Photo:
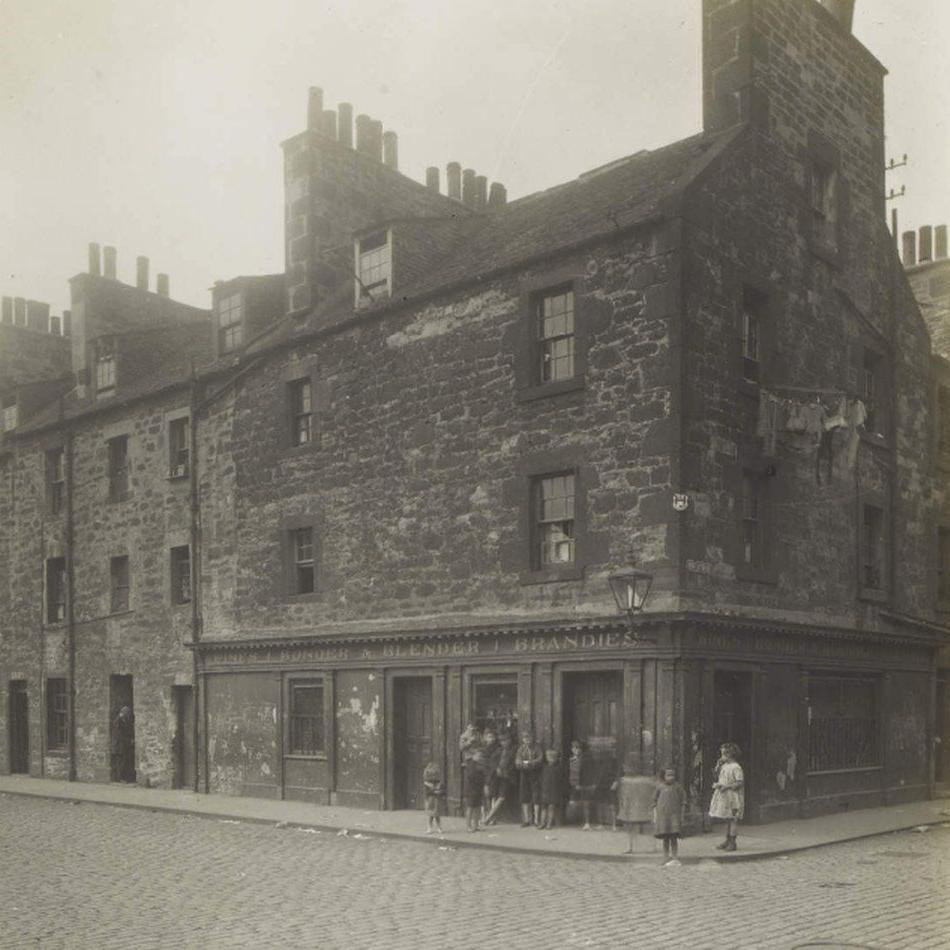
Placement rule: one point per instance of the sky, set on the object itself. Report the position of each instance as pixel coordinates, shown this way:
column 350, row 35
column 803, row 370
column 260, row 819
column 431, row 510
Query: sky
column 155, row 127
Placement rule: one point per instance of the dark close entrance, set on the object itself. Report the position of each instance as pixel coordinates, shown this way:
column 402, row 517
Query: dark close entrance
column 412, row 739
column 732, row 720
column 19, row 727
column 593, row 713
column 183, row 743
column 121, row 729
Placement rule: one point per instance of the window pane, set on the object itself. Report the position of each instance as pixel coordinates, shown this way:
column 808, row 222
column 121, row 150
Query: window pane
column 306, row 718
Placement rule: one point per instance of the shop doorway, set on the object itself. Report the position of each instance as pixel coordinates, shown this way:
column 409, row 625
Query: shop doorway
column 412, row 738
column 732, row 718
column 19, row 724
column 183, row 744
column 593, row 713
column 121, row 729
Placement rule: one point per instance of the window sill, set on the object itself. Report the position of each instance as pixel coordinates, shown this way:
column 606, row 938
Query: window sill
column 874, row 595
column 54, row 624
column 303, row 598
column 299, row 756
column 552, row 575
column 178, row 605
column 757, row 575
column 179, row 478
column 860, row 768
column 301, row 449
column 118, row 613
column 544, row 390
column 58, row 753
column 117, row 501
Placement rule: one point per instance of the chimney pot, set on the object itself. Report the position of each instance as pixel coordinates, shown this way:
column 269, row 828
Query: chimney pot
column 19, row 311
column 453, row 180
column 108, row 262
column 940, row 242
column 481, row 192
column 468, row 187
column 345, row 124
column 909, row 248
column 7, row 305
column 67, row 322
column 95, row 266
column 328, row 124
column 432, row 179
column 391, row 149
column 925, row 244
column 497, row 195
column 161, row 285
column 141, row 273
column 315, row 108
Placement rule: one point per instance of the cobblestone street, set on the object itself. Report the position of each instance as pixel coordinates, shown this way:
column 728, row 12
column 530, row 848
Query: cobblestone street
column 86, row 876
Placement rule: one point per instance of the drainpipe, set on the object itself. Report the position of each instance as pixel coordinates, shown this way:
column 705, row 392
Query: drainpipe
column 194, row 565
column 70, row 598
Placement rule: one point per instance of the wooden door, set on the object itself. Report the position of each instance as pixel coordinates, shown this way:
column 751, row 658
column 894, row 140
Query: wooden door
column 184, row 742
column 412, row 739
column 19, row 727
column 593, row 713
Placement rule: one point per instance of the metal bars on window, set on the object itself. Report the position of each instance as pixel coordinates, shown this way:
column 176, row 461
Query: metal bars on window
column 306, row 718
column 842, row 723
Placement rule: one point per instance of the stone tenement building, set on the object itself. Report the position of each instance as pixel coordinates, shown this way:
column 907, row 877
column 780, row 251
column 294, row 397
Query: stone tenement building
column 312, row 535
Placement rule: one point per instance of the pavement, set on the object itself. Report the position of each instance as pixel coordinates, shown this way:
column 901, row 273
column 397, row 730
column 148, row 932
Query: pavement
column 773, row 840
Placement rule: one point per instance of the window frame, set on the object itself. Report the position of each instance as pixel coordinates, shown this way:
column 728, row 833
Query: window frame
column 753, row 327
column 541, row 524
column 301, row 682
column 57, row 714
column 366, row 290
column 826, row 219
column 56, row 593
column 230, row 328
column 55, row 479
column 300, row 410
column 179, row 573
column 118, row 474
column 179, row 446
column 875, row 756
column 105, row 366
column 543, row 360
column 879, row 562
column 120, row 584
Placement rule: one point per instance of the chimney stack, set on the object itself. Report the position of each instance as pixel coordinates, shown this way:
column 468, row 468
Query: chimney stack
column 841, row 10
column 95, row 267
column 453, row 180
column 940, row 242
column 161, row 285
column 19, row 311
column 67, row 322
column 344, row 122
column 925, row 244
column 376, row 138
column 55, row 326
column 432, row 179
column 468, row 187
column 364, row 132
column 315, row 108
column 909, row 248
column 141, row 273
column 497, row 195
column 108, row 262
column 481, row 192
column 328, row 124
column 37, row 316
column 391, row 150
column 7, row 313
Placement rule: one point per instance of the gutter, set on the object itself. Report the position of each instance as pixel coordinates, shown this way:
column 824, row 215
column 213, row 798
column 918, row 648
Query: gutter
column 69, row 545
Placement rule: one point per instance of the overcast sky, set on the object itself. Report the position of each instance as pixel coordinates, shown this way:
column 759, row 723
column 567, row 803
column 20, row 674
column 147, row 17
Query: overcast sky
column 155, row 127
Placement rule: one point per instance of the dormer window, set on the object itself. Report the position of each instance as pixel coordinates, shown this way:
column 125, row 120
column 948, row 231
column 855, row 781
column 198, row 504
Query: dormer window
column 10, row 416
column 105, row 367
column 373, row 267
column 230, row 323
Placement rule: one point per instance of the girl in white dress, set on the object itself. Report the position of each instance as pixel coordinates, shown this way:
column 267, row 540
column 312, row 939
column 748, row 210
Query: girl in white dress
column 728, row 797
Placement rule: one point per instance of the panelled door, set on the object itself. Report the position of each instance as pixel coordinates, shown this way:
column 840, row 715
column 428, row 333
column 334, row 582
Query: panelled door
column 412, row 738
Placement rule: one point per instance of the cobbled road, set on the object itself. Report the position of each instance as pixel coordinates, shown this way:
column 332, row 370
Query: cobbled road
column 90, row 876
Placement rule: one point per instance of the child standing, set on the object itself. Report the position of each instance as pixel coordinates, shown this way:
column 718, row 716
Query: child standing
column 474, row 786
column 668, row 815
column 434, row 793
column 728, row 797
column 635, row 802
column 528, row 760
column 551, row 791
column 580, row 793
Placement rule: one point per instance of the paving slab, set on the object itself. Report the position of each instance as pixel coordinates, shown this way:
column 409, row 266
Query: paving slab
column 772, row 840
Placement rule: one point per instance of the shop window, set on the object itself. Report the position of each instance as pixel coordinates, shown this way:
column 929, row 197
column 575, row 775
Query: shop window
column 57, row 714
column 105, row 366
column 554, row 520
column 872, row 548
column 55, row 589
column 842, row 723
column 943, row 567
column 230, row 323
column 307, row 733
column 119, row 584
column 301, row 412
column 374, row 267
column 118, row 468
column 55, row 480
column 495, row 704
column 10, row 414
column 554, row 315
column 180, row 573
column 304, row 569
column 179, row 446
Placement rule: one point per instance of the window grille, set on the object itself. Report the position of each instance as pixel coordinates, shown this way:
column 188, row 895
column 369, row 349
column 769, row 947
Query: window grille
column 842, row 723
column 307, row 732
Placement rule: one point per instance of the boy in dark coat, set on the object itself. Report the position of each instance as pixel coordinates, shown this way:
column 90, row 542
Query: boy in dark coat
column 551, row 788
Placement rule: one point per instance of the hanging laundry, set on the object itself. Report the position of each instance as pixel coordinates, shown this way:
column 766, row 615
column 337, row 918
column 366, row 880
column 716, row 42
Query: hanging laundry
column 797, row 420
column 856, row 416
column 814, row 420
column 835, row 416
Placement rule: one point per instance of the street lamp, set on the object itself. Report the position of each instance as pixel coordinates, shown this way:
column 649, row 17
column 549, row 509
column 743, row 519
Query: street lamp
column 630, row 590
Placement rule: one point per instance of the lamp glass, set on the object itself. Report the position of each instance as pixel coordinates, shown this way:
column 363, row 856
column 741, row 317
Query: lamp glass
column 630, row 590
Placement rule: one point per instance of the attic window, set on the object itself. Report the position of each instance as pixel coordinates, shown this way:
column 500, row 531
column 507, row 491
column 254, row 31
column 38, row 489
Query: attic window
column 374, row 267
column 105, row 367
column 230, row 323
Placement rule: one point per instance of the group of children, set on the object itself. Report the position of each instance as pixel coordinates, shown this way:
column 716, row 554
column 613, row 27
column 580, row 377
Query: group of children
column 493, row 770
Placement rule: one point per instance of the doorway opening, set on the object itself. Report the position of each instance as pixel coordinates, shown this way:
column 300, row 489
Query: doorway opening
column 183, row 742
column 732, row 718
column 19, row 725
column 412, row 739
column 121, row 728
